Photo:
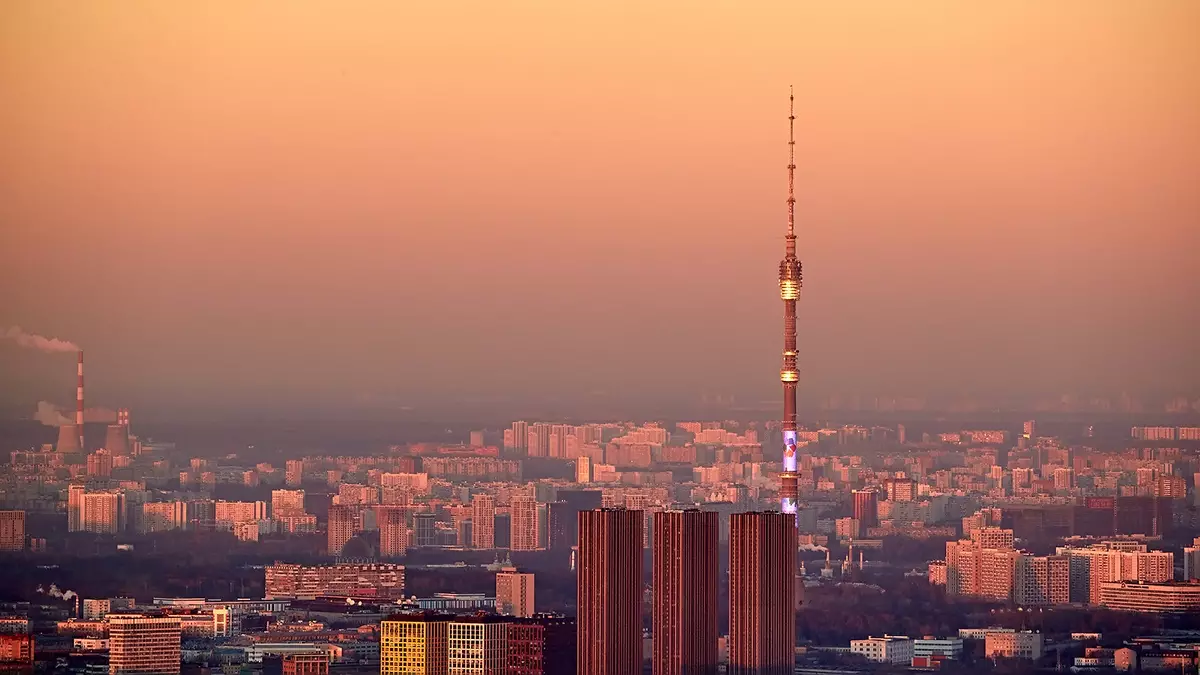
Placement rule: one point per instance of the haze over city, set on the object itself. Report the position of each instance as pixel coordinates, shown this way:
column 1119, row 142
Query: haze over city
column 326, row 208
column 384, row 338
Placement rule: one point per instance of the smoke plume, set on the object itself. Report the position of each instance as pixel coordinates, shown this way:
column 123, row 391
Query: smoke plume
column 38, row 342
column 52, row 415
column 48, row 414
column 54, row 592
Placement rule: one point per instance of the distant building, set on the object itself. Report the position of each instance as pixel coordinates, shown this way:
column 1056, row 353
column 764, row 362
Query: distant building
column 1191, row 561
column 392, row 522
column 893, row 649
column 410, row 644
column 948, row 648
column 94, row 609
column 143, row 644
column 1026, row 645
column 483, row 521
column 341, row 580
column 341, row 528
column 477, row 645
column 524, row 513
column 311, row 663
column 514, row 593
column 16, row 648
column 1166, row 598
column 866, row 508
column 542, row 645
column 12, row 530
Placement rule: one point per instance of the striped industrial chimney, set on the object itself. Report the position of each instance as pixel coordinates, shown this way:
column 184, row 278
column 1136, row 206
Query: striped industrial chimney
column 79, row 404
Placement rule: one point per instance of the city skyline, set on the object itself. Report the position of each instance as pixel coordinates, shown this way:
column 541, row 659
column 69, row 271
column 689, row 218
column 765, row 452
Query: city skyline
column 305, row 245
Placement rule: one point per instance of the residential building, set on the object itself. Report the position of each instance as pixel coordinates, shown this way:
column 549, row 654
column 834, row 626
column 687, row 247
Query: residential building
column 342, row 525
column 12, row 530
column 685, row 593
column 762, row 577
column 393, row 530
column 524, row 513
column 514, row 593
column 609, row 592
column 483, row 521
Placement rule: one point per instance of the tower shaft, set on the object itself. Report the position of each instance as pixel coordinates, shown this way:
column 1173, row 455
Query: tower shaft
column 790, row 280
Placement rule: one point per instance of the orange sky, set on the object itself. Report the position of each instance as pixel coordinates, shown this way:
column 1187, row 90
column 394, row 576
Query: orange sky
column 326, row 201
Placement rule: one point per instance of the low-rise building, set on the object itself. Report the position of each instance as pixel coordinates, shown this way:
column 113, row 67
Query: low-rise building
column 1014, row 645
column 949, row 648
column 896, row 649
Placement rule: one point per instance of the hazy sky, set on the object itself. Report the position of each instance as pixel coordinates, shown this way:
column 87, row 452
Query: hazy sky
column 274, row 204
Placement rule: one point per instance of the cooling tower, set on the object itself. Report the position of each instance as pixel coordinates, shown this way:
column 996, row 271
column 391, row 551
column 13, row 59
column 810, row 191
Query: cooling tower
column 68, row 439
column 116, row 441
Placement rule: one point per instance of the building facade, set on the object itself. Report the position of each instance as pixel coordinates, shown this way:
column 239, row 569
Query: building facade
column 514, row 593
column 762, row 578
column 684, row 609
column 143, row 644
column 609, row 592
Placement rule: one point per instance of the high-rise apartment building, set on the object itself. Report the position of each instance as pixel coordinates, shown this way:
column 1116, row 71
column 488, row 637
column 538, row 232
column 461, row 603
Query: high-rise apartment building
column 563, row 516
column 75, row 492
column 286, row 503
column 514, row 592
column 1042, row 580
column 414, row 644
column 227, row 514
column 294, row 472
column 424, row 529
column 609, row 592
column 483, row 521
column 1115, row 561
column 163, row 516
column 1191, row 561
column 762, row 578
column 866, row 508
column 685, row 593
column 143, row 645
column 520, row 435
column 993, row 537
column 393, row 530
column 524, row 512
column 341, row 527
column 539, row 440
column 12, row 530
column 100, row 464
column 477, row 644
column 102, row 512
column 900, row 489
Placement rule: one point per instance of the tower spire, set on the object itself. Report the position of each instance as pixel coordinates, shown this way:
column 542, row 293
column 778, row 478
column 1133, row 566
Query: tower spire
column 791, row 200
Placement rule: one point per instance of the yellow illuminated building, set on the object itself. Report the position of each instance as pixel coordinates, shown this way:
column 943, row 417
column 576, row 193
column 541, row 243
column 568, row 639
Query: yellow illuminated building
column 414, row 645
